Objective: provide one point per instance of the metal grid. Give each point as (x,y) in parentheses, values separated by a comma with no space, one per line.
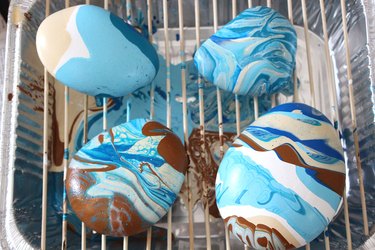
(333,102)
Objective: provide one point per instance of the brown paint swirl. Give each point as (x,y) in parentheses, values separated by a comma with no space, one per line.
(267,242)
(86,209)
(288,154)
(204,166)
(170,147)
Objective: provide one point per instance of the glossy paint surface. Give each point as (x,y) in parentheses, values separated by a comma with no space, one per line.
(254,54)
(287,167)
(125,180)
(95,52)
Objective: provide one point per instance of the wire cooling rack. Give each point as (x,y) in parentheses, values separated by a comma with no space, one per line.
(169,48)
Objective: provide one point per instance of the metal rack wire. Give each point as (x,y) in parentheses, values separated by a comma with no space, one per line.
(332,96)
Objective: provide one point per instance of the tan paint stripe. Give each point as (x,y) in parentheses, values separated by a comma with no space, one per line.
(288,154)
(52,38)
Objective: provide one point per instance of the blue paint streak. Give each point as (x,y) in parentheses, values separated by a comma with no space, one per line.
(112,72)
(238,173)
(141,103)
(317,144)
(238,201)
(308,178)
(133,36)
(306,110)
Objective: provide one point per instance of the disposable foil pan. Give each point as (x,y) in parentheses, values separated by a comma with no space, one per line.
(22,118)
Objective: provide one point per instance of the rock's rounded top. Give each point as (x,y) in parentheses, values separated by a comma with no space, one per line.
(285,168)
(253,54)
(95,52)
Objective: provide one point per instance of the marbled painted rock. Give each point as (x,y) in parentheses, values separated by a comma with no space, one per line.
(252,55)
(281,182)
(125,180)
(95,52)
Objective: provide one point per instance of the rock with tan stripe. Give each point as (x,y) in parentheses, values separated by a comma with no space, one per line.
(281,182)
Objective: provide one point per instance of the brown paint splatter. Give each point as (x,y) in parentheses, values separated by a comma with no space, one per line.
(26,92)
(288,154)
(28,16)
(57,144)
(35,90)
(204,167)
(10,97)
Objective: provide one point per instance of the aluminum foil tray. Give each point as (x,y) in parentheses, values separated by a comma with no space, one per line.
(22,119)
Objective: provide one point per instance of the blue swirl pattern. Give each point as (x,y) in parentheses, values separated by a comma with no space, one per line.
(286,167)
(254,54)
(103,57)
(129,182)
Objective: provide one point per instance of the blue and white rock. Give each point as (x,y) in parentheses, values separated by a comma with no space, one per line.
(254,54)
(95,52)
(126,179)
(281,182)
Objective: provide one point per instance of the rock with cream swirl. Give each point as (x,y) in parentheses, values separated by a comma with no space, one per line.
(281,182)
(95,52)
